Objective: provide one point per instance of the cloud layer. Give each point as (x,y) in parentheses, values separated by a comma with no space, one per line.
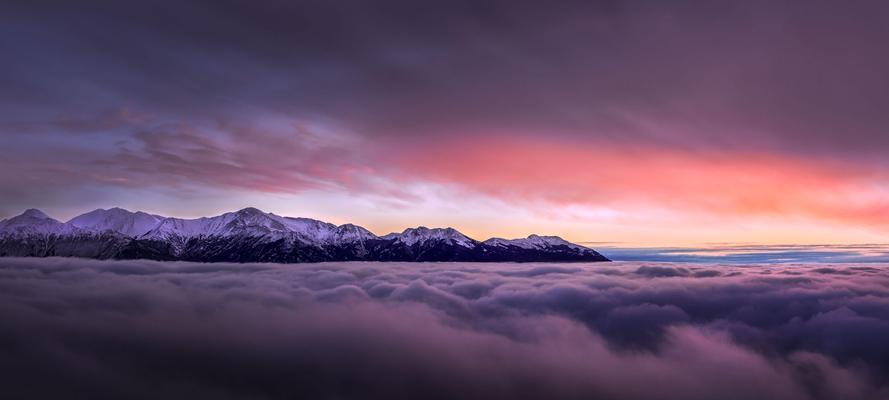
(139,329)
(750,254)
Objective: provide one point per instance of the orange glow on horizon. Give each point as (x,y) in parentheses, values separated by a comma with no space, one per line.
(712,196)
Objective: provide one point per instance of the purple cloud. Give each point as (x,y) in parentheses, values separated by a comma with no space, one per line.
(726,79)
(372,330)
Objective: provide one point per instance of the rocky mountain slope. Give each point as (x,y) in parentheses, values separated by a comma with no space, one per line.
(250,235)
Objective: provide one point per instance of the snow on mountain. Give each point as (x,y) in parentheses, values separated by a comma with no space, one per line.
(248,221)
(352,233)
(34,221)
(253,222)
(423,234)
(308,229)
(125,222)
(252,235)
(534,242)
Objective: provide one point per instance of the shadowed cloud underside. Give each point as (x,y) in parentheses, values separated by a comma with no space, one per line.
(142,329)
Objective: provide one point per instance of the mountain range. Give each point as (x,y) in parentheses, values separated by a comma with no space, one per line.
(251,235)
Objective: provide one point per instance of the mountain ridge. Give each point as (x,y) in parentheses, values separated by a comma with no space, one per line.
(251,235)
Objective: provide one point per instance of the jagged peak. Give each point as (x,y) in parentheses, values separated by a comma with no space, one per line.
(421,234)
(424,230)
(251,214)
(534,241)
(252,221)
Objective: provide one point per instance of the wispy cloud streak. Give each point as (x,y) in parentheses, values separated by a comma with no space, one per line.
(752,254)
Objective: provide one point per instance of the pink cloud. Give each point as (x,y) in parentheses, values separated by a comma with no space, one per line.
(735,184)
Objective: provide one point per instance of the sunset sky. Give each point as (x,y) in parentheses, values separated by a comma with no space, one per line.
(638,123)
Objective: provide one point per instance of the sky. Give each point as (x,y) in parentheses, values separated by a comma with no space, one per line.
(643,123)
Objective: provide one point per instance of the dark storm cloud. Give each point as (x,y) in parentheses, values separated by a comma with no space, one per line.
(140,329)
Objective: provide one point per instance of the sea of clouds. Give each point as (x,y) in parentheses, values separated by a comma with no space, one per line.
(77,328)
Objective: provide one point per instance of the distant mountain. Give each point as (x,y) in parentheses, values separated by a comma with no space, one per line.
(250,235)
(117,220)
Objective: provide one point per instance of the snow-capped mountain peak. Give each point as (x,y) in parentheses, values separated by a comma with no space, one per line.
(117,220)
(252,222)
(33,221)
(533,242)
(423,234)
(351,233)
(249,221)
(551,241)
(250,234)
